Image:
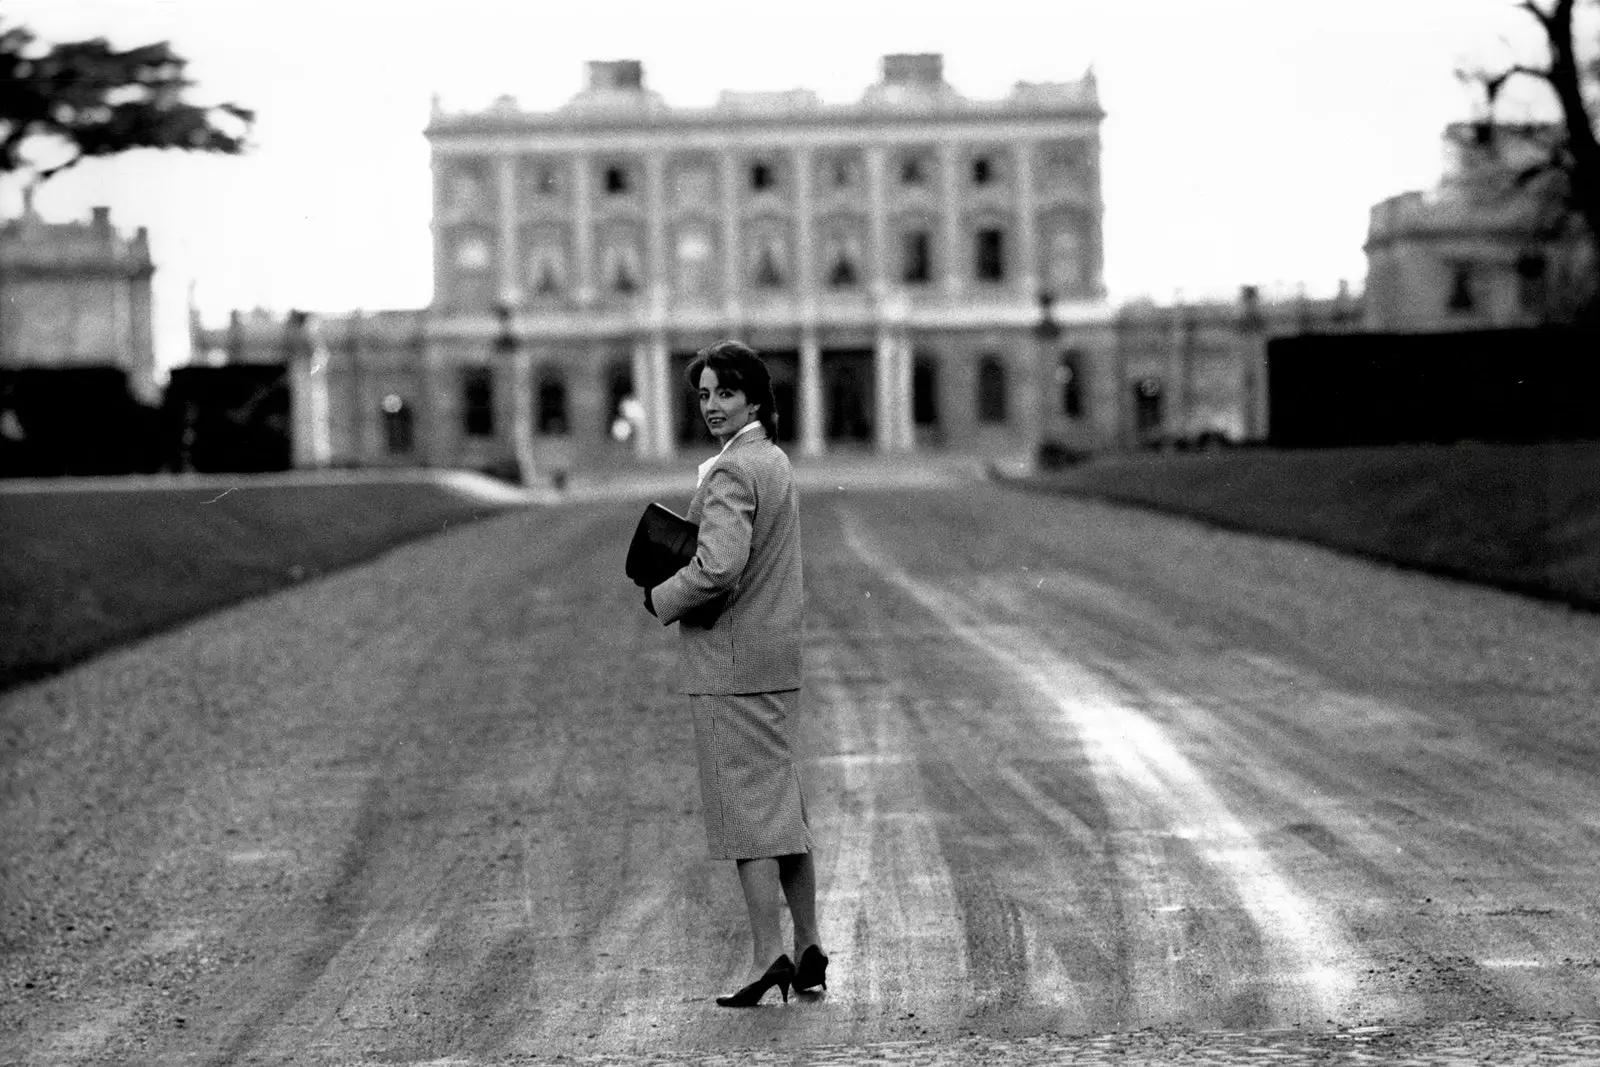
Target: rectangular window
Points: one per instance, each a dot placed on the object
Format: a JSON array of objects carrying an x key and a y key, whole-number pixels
[
  {"x": 477, "y": 401},
  {"x": 991, "y": 255},
  {"x": 1461, "y": 297},
  {"x": 917, "y": 263}
]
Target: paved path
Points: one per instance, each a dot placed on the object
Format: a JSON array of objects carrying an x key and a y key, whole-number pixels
[{"x": 1090, "y": 786}]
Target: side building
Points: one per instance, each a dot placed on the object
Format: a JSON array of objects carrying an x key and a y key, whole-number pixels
[
  {"x": 1486, "y": 248},
  {"x": 77, "y": 295}
]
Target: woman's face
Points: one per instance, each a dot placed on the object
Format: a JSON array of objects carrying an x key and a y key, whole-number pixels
[{"x": 726, "y": 411}]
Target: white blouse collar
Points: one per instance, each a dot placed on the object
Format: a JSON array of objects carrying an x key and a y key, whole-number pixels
[{"x": 705, "y": 468}]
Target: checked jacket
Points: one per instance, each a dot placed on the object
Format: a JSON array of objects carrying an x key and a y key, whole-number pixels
[{"x": 747, "y": 564}]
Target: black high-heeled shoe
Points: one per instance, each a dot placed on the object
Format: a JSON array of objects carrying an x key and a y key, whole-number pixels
[
  {"x": 812, "y": 971},
  {"x": 780, "y": 974}
]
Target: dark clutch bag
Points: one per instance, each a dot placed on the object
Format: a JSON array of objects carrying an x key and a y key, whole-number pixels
[{"x": 663, "y": 544}]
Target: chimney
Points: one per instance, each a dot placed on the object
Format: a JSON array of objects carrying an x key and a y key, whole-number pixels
[
  {"x": 616, "y": 75},
  {"x": 924, "y": 69},
  {"x": 100, "y": 218}
]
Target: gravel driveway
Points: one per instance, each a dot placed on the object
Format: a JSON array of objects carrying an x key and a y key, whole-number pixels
[{"x": 1088, "y": 783}]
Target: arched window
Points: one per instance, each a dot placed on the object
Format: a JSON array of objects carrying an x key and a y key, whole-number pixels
[
  {"x": 1066, "y": 267},
  {"x": 622, "y": 271},
  {"x": 768, "y": 269},
  {"x": 621, "y": 411},
  {"x": 694, "y": 250},
  {"x": 1147, "y": 407},
  {"x": 842, "y": 172},
  {"x": 1069, "y": 380},
  {"x": 477, "y": 401},
  {"x": 916, "y": 256},
  {"x": 989, "y": 254},
  {"x": 991, "y": 390},
  {"x": 843, "y": 254},
  {"x": 546, "y": 268},
  {"x": 552, "y": 402},
  {"x": 763, "y": 176},
  {"x": 397, "y": 425}
]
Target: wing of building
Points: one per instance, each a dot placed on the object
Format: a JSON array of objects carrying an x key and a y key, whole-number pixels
[
  {"x": 1493, "y": 246},
  {"x": 77, "y": 294}
]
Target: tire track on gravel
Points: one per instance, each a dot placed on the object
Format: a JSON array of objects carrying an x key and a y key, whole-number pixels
[
  {"x": 1381, "y": 801},
  {"x": 1147, "y": 781}
]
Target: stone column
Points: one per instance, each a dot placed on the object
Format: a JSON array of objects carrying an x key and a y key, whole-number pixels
[
  {"x": 507, "y": 285},
  {"x": 661, "y": 396},
  {"x": 810, "y": 399},
  {"x": 583, "y": 228},
  {"x": 731, "y": 250},
  {"x": 888, "y": 354},
  {"x": 1027, "y": 222},
  {"x": 656, "y": 228},
  {"x": 951, "y": 259},
  {"x": 906, "y": 434},
  {"x": 883, "y": 380},
  {"x": 804, "y": 235},
  {"x": 877, "y": 223},
  {"x": 811, "y": 442}
]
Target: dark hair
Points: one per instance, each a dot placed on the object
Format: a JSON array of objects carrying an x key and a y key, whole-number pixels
[{"x": 738, "y": 366}]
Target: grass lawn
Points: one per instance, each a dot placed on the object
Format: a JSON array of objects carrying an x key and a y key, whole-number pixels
[
  {"x": 81, "y": 571},
  {"x": 1524, "y": 517}
]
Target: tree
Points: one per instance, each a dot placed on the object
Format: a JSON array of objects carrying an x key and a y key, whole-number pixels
[
  {"x": 80, "y": 100},
  {"x": 1567, "y": 179}
]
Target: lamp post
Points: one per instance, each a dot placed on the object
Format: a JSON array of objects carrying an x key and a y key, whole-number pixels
[
  {"x": 1045, "y": 334},
  {"x": 516, "y": 358}
]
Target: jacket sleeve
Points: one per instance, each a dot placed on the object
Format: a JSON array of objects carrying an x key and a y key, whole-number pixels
[{"x": 726, "y": 520}]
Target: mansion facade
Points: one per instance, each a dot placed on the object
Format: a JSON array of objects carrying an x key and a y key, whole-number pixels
[
  {"x": 898, "y": 261},
  {"x": 920, "y": 272}
]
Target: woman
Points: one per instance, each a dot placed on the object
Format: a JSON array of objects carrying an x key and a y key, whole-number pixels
[{"x": 739, "y": 606}]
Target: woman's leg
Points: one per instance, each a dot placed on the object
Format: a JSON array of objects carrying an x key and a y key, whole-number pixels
[
  {"x": 763, "y": 898},
  {"x": 798, "y": 876}
]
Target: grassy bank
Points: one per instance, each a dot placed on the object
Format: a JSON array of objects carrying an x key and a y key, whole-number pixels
[
  {"x": 1523, "y": 517},
  {"x": 81, "y": 571}
]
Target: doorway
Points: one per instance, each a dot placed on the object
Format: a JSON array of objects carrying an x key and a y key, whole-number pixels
[{"x": 849, "y": 395}]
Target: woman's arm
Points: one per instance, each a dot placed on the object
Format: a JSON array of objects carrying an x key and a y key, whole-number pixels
[{"x": 726, "y": 519}]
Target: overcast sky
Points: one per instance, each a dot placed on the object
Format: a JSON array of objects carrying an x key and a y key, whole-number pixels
[{"x": 1245, "y": 140}]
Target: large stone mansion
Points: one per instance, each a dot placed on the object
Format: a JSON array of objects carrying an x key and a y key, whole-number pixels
[
  {"x": 887, "y": 257},
  {"x": 921, "y": 271}
]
